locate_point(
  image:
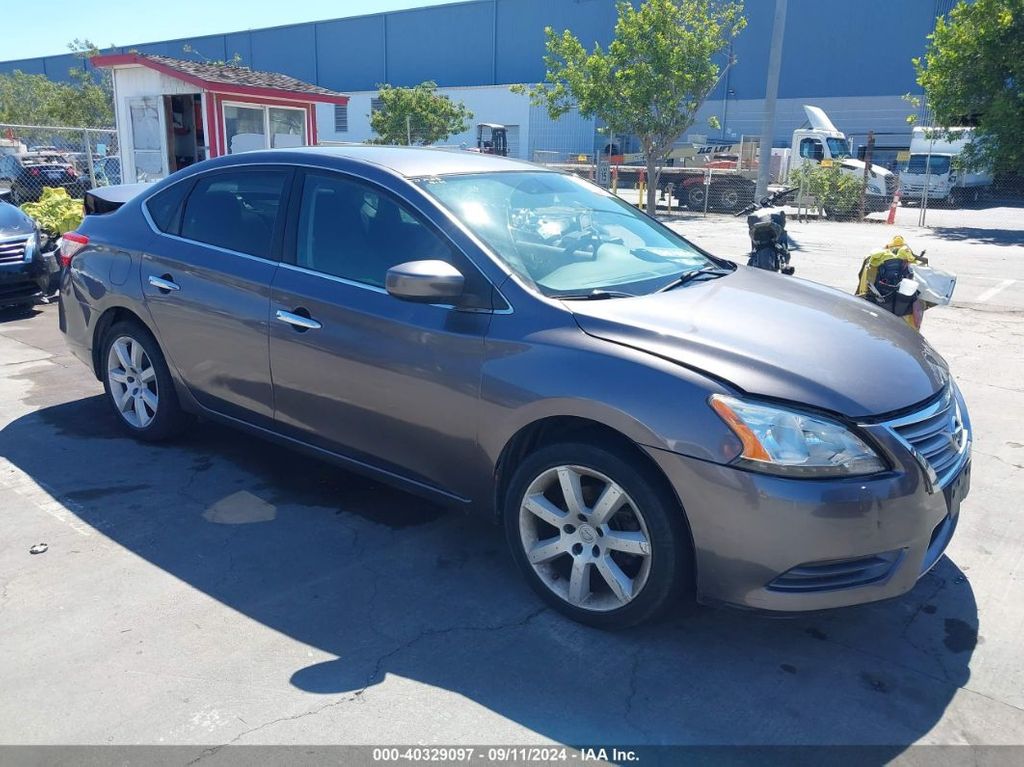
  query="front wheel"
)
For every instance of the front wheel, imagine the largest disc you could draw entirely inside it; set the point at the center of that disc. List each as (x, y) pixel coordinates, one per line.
(596, 535)
(138, 383)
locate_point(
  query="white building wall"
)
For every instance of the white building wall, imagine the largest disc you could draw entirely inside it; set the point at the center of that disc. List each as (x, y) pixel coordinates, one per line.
(539, 136)
(491, 104)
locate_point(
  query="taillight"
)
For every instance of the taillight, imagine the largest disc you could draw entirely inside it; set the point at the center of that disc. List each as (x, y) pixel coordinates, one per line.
(70, 244)
(34, 171)
(72, 171)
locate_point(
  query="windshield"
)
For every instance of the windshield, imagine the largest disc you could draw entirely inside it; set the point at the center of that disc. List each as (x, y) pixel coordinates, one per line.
(939, 164)
(564, 235)
(838, 147)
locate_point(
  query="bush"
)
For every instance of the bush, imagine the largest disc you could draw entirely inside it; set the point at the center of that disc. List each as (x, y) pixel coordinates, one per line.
(56, 212)
(838, 193)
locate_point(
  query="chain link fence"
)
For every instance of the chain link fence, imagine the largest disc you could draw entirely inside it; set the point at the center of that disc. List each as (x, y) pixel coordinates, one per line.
(36, 156)
(898, 186)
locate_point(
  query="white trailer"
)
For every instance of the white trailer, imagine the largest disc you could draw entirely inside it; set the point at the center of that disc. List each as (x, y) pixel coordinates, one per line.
(933, 166)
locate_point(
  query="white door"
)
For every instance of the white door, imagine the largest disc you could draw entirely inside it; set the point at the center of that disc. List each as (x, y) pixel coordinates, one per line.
(149, 130)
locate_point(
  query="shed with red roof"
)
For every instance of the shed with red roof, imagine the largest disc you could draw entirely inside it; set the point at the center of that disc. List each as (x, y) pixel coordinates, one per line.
(172, 113)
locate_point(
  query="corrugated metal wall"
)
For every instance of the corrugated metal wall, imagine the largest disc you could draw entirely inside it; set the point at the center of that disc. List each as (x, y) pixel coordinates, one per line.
(832, 47)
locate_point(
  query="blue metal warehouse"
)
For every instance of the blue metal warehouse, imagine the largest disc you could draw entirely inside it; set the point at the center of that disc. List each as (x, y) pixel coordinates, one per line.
(852, 59)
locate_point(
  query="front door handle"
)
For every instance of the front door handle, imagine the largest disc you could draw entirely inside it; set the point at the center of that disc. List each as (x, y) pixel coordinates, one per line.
(300, 322)
(164, 283)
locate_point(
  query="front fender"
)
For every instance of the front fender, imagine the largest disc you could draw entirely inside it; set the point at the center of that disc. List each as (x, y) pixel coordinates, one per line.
(653, 402)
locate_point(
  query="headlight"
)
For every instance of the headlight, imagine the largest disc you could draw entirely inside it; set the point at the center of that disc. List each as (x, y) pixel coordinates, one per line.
(780, 441)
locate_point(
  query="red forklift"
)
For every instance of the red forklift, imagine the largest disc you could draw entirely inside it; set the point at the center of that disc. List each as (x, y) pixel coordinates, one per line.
(492, 138)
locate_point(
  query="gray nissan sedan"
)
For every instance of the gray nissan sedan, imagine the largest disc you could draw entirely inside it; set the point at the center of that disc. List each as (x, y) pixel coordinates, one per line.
(646, 420)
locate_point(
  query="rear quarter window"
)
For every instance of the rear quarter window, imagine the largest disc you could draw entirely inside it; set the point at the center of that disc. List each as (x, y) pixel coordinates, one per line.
(164, 207)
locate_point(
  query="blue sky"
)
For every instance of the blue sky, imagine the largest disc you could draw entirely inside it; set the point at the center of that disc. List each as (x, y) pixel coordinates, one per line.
(47, 30)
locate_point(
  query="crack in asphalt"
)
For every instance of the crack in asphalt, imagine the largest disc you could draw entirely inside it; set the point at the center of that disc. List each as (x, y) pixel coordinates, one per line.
(377, 669)
(633, 691)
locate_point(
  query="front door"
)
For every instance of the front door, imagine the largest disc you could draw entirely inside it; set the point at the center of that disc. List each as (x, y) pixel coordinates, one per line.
(207, 281)
(389, 383)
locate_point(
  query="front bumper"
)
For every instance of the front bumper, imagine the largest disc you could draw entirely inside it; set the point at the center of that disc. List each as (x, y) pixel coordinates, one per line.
(788, 545)
(21, 283)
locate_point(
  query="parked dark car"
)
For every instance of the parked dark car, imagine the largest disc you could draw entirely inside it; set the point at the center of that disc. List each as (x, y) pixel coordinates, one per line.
(27, 265)
(25, 176)
(644, 418)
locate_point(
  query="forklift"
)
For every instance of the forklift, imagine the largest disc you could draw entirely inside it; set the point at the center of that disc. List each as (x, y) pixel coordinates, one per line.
(492, 138)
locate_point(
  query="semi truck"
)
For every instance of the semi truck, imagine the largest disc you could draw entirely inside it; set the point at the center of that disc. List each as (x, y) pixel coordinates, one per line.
(933, 165)
(727, 177)
(822, 141)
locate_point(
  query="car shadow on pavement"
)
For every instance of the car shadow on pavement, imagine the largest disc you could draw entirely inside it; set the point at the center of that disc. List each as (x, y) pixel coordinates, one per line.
(392, 586)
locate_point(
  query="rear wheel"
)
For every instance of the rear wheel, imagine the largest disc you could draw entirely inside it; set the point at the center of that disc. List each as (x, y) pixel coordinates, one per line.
(596, 536)
(731, 198)
(695, 197)
(138, 383)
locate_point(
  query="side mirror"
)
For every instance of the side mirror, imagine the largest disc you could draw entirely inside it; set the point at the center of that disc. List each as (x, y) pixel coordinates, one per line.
(425, 282)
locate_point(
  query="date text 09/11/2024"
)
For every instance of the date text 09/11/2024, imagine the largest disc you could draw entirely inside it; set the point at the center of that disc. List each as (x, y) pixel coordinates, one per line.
(525, 754)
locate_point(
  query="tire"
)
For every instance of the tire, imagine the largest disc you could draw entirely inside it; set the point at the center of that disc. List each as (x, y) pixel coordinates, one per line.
(731, 198)
(573, 565)
(16, 198)
(695, 197)
(129, 353)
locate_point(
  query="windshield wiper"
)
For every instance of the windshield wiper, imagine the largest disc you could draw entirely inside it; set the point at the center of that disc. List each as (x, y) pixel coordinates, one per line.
(706, 272)
(594, 295)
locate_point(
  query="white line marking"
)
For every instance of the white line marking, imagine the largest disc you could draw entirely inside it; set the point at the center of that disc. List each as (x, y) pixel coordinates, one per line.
(35, 493)
(1003, 284)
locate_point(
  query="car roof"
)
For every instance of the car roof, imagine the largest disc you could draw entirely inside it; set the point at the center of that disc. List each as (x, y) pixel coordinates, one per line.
(421, 161)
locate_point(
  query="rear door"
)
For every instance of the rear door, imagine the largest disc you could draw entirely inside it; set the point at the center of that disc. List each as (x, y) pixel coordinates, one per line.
(390, 383)
(207, 277)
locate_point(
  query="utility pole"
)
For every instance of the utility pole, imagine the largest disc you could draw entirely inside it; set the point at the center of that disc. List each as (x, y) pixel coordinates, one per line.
(771, 94)
(867, 173)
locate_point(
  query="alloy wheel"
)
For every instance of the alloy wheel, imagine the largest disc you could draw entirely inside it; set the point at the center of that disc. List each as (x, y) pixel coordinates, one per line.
(585, 538)
(132, 380)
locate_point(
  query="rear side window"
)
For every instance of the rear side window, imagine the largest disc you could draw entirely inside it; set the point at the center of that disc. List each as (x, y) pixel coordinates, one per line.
(165, 207)
(237, 210)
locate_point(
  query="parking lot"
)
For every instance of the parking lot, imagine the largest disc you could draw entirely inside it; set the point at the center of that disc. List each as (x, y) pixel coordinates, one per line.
(221, 590)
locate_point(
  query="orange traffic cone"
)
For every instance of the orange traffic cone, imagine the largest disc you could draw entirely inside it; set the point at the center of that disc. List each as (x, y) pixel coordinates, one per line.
(892, 207)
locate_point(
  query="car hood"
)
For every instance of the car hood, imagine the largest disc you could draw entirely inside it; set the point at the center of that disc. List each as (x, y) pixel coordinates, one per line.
(779, 337)
(14, 222)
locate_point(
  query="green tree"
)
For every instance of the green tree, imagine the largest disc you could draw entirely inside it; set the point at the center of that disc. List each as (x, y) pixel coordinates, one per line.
(86, 101)
(91, 105)
(973, 72)
(419, 113)
(651, 80)
(28, 99)
(837, 193)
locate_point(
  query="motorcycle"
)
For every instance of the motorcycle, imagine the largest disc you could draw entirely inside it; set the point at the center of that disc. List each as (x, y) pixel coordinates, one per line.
(769, 242)
(904, 283)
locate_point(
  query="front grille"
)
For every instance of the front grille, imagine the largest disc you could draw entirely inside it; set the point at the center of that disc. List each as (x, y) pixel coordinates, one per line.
(938, 436)
(13, 250)
(841, 574)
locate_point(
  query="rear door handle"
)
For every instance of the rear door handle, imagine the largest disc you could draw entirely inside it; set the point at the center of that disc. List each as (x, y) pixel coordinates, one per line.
(298, 321)
(163, 283)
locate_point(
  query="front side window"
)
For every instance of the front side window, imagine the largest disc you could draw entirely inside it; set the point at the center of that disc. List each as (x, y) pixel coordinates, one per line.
(566, 236)
(236, 210)
(811, 149)
(350, 230)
